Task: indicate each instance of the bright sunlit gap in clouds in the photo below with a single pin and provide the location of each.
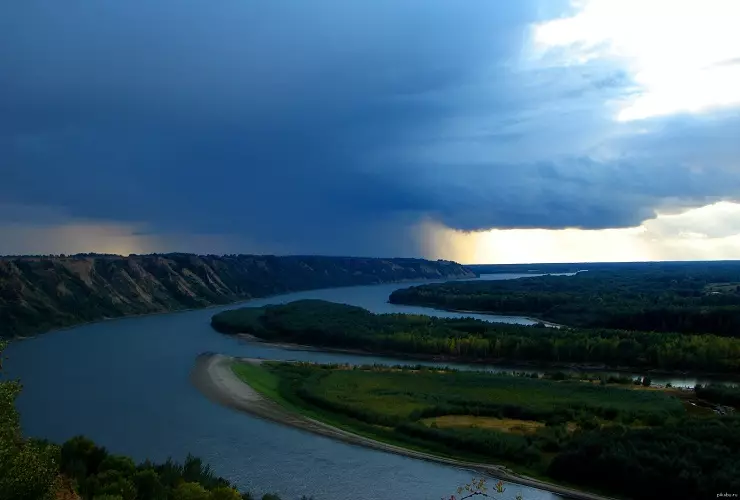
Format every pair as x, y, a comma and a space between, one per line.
683, 55
707, 233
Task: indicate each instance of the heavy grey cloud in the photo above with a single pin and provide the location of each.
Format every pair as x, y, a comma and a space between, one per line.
332, 126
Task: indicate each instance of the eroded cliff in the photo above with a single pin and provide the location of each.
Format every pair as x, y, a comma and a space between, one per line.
38, 294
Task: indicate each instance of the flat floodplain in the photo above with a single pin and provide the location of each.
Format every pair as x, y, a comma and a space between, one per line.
625, 438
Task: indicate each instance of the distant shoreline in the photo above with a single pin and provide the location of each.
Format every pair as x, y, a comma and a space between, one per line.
484, 313
213, 377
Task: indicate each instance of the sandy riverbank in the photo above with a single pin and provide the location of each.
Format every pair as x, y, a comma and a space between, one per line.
213, 377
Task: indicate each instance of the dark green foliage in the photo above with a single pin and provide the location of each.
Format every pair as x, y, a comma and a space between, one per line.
720, 394
698, 297
317, 322
98, 473
28, 469
148, 485
80, 458
224, 493
118, 463
190, 491
42, 293
194, 471
692, 459
485, 443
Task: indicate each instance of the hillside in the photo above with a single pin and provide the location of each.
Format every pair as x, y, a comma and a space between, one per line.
38, 294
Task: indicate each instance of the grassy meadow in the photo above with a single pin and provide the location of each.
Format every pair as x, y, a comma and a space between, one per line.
633, 441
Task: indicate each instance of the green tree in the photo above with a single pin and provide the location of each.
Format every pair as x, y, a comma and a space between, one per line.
190, 491
148, 485
119, 463
28, 470
80, 458
113, 483
225, 493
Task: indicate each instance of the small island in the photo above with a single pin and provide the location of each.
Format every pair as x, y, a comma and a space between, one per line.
558, 435
330, 325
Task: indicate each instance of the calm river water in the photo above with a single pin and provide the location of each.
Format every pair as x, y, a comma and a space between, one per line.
124, 383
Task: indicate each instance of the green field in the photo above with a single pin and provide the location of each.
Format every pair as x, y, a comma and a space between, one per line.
545, 428
261, 380
406, 394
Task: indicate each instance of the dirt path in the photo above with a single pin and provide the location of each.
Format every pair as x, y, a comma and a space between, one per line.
213, 377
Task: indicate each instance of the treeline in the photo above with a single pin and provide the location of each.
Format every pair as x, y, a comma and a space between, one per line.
664, 297
322, 323
691, 459
632, 443
97, 474
721, 394
79, 467
572, 267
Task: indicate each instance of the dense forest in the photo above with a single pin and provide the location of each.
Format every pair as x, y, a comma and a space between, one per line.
718, 393
321, 323
42, 293
697, 297
692, 458
79, 469
635, 442
573, 267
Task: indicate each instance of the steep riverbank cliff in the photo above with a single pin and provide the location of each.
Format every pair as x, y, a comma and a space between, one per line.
38, 294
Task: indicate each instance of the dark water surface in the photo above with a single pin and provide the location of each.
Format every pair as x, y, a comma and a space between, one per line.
124, 383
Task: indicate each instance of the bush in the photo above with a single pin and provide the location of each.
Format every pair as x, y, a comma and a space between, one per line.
270, 496
224, 493
190, 491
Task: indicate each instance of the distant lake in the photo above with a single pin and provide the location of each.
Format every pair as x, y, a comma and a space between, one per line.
125, 384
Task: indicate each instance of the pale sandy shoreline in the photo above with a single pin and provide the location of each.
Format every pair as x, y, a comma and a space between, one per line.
213, 377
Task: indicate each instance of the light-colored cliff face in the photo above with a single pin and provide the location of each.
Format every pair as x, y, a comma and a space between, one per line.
42, 293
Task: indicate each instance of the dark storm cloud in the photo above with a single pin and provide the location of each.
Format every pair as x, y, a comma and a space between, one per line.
329, 126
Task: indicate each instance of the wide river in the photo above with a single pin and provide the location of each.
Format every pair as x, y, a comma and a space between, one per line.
125, 384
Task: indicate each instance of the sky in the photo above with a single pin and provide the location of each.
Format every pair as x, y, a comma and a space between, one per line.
479, 131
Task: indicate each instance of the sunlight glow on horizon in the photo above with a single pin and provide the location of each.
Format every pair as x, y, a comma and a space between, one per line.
711, 232
683, 55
